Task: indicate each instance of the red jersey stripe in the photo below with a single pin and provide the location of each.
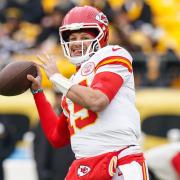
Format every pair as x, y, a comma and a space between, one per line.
116, 60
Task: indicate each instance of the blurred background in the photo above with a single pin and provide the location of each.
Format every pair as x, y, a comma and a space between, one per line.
149, 29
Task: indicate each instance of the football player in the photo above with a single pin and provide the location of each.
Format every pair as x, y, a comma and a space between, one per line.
99, 116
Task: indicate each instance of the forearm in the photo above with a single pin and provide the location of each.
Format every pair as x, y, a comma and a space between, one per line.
87, 97
54, 127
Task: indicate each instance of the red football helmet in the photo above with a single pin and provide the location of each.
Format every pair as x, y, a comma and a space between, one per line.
84, 18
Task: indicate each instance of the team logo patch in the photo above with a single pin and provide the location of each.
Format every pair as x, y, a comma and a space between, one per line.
101, 17
88, 69
83, 170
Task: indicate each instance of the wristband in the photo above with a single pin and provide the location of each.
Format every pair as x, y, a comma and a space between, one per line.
62, 84
36, 91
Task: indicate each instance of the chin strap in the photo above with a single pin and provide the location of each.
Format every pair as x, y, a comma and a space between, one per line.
61, 83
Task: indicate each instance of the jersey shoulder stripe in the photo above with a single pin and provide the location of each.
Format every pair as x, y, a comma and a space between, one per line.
115, 60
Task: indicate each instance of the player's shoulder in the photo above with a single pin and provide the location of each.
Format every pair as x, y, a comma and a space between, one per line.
112, 51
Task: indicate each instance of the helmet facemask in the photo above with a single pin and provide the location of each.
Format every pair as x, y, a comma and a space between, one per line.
86, 53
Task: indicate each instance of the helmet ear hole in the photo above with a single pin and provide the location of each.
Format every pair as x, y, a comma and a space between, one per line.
94, 31
95, 46
65, 35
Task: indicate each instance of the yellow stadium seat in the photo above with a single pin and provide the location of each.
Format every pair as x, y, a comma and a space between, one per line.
48, 6
115, 4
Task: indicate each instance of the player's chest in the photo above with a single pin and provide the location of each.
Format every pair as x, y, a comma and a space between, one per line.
84, 75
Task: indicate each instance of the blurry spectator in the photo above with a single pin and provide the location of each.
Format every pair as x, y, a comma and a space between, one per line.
117, 36
104, 6
134, 19
66, 4
139, 69
12, 22
52, 164
134, 14
2, 7
7, 141
164, 160
138, 12
8, 31
32, 10
153, 76
48, 38
12, 128
171, 69
50, 25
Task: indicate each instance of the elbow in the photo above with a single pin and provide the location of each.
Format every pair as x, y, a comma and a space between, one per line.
58, 142
96, 108
56, 145
98, 105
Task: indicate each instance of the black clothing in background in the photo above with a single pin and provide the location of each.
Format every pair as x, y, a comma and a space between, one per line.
52, 164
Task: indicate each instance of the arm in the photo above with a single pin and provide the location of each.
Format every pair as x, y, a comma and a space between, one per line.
88, 97
95, 98
54, 127
103, 88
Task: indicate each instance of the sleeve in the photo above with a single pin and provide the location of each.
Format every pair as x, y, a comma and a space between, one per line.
107, 82
116, 60
114, 69
54, 127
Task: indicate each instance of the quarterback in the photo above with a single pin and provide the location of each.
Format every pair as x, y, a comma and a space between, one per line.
99, 116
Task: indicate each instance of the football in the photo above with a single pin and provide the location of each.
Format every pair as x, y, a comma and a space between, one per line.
13, 77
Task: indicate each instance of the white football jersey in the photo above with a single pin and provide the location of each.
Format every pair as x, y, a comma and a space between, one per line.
118, 124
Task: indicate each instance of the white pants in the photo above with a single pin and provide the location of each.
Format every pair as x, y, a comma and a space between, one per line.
131, 171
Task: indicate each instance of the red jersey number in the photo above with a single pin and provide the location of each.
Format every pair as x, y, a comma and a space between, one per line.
86, 117
82, 117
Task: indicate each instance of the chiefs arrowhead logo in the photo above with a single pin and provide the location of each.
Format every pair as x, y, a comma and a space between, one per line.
83, 170
101, 17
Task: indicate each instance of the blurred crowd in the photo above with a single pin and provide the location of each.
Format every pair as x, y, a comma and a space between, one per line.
148, 29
